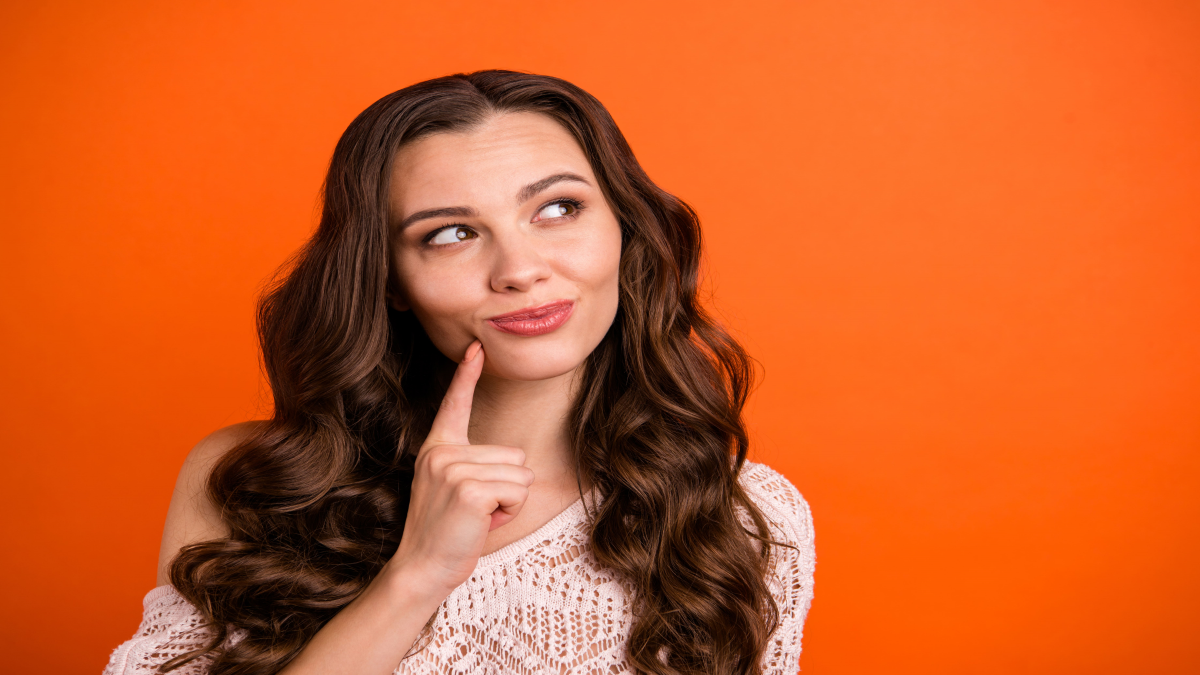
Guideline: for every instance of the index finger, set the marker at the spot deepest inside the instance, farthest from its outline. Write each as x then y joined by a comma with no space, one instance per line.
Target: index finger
454,415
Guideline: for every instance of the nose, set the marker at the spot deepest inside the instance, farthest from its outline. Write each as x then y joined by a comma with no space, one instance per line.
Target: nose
518,263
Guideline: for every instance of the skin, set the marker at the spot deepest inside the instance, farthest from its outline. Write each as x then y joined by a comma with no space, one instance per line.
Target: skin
495,466
513,254
522,248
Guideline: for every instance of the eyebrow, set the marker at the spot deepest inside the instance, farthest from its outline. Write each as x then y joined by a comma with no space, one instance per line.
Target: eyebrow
448,212
530,191
525,194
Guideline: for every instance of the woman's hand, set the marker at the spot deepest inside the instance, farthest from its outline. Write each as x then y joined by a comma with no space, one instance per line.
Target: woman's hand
460,492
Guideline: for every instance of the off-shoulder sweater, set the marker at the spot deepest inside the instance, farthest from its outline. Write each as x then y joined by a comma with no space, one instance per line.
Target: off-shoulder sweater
539,605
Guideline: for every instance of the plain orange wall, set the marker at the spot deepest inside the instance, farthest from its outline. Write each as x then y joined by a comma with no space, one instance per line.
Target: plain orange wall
962,238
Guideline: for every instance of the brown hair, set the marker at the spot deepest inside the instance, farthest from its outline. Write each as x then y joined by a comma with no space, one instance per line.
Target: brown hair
316,499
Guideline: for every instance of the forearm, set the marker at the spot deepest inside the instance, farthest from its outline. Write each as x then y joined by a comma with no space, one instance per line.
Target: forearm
371,635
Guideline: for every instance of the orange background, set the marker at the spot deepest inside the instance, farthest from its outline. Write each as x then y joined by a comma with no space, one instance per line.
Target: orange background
962,239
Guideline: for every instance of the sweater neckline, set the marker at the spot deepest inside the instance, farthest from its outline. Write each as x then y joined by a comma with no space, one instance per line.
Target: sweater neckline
567,517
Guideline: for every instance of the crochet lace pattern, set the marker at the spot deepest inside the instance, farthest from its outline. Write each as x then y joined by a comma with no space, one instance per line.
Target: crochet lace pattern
539,605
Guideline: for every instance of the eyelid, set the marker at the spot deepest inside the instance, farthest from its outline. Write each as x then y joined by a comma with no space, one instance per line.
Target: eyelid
434,232
579,206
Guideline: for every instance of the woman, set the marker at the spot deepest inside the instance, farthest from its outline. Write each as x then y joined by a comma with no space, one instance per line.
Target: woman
572,496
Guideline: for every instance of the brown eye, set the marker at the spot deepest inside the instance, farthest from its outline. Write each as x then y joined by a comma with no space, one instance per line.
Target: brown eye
556,210
452,235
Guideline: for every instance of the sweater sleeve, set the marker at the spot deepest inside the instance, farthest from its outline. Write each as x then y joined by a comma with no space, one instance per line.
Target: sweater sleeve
171,626
792,566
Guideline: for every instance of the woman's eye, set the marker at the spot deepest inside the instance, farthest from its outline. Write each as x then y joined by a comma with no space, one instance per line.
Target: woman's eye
451,235
556,210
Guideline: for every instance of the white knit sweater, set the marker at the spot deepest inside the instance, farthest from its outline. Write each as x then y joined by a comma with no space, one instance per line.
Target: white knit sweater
539,605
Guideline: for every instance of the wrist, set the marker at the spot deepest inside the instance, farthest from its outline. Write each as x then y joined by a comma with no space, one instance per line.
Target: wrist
414,581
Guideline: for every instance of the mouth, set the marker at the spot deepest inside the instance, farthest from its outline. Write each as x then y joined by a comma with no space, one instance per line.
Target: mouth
534,320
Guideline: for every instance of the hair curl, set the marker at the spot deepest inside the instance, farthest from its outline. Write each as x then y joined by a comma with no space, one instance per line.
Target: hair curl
316,498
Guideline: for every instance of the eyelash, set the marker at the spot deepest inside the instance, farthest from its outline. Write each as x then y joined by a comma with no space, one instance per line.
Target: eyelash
574,203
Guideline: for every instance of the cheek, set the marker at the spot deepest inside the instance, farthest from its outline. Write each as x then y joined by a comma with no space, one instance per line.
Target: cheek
596,262
441,297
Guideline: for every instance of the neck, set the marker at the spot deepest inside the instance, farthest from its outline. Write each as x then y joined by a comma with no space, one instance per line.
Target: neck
531,416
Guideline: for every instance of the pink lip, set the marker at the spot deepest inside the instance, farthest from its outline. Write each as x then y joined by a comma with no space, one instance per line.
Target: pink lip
534,320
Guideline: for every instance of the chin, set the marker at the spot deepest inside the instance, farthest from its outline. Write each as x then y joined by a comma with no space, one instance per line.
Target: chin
532,361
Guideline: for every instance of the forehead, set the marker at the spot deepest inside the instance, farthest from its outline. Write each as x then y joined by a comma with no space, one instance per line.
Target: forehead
483,164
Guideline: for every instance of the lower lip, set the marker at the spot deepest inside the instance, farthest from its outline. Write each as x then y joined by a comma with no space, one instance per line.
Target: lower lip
539,324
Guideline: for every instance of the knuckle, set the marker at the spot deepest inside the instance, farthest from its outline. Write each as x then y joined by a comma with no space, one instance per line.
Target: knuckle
455,472
439,458
469,491
424,460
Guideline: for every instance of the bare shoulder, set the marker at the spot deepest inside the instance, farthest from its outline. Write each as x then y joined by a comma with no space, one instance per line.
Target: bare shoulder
192,517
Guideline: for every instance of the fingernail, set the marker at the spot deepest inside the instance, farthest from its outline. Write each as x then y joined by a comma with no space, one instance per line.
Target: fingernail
472,351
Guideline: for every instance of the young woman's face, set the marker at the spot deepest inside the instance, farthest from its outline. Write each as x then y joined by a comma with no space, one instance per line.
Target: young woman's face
501,234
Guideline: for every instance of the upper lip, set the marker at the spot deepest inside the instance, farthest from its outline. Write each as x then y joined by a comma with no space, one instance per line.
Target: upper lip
534,312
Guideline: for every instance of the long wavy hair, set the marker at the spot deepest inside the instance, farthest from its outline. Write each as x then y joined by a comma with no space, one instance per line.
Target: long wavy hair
315,499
